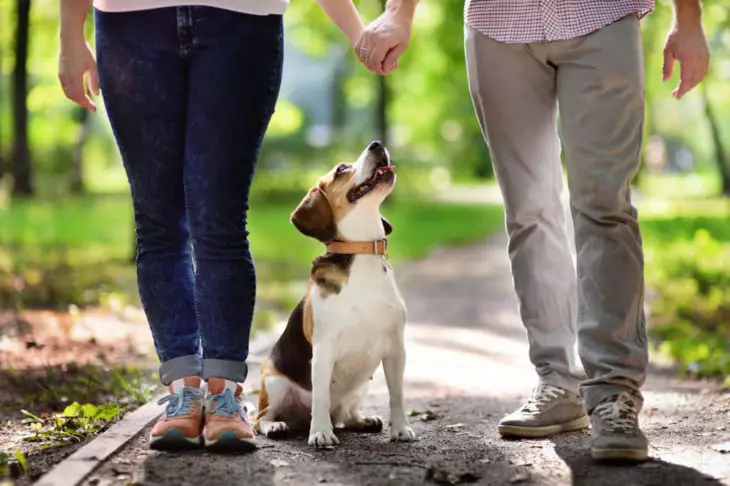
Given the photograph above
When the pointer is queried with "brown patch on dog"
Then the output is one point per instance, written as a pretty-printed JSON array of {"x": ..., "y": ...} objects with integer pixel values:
[
  {"x": 313, "y": 217},
  {"x": 267, "y": 369},
  {"x": 331, "y": 272},
  {"x": 308, "y": 324},
  {"x": 292, "y": 353},
  {"x": 325, "y": 204}
]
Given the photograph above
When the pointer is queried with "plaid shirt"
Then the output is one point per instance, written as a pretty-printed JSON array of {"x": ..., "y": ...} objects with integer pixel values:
[{"x": 526, "y": 21}]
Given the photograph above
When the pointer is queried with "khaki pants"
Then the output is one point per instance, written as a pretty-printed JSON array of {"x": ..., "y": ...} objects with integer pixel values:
[{"x": 598, "y": 83}]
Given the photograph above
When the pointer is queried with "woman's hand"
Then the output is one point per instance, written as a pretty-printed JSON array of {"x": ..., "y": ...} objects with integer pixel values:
[{"x": 76, "y": 62}]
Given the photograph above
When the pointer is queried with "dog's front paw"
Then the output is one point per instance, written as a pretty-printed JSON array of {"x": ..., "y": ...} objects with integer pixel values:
[
  {"x": 323, "y": 438},
  {"x": 402, "y": 433},
  {"x": 276, "y": 430}
]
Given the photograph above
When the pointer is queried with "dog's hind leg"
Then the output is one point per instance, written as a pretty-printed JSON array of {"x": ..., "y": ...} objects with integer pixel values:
[
  {"x": 353, "y": 418},
  {"x": 275, "y": 392}
]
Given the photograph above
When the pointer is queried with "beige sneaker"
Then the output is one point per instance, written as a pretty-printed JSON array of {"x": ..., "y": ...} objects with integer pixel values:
[
  {"x": 615, "y": 431},
  {"x": 226, "y": 425},
  {"x": 180, "y": 424},
  {"x": 548, "y": 411}
]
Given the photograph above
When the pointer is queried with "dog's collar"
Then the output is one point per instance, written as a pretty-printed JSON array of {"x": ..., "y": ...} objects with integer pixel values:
[{"x": 377, "y": 247}]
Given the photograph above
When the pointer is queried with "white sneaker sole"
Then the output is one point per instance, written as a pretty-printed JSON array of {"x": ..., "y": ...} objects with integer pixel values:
[
  {"x": 230, "y": 442},
  {"x": 545, "y": 431},
  {"x": 174, "y": 439},
  {"x": 633, "y": 455}
]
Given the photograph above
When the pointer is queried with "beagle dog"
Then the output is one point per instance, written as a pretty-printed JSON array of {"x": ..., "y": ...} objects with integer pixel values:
[{"x": 351, "y": 319}]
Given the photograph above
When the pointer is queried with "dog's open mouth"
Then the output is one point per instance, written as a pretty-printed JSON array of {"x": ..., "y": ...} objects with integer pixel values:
[{"x": 361, "y": 190}]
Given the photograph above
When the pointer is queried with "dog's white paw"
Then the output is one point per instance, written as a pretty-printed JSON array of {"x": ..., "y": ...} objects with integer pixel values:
[
  {"x": 323, "y": 438},
  {"x": 402, "y": 433},
  {"x": 276, "y": 430}
]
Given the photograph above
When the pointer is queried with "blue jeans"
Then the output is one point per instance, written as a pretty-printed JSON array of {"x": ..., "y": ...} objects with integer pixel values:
[{"x": 189, "y": 92}]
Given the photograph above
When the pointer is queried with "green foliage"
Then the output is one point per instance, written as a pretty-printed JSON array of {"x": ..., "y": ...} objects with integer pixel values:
[
  {"x": 52, "y": 387},
  {"x": 77, "y": 252},
  {"x": 76, "y": 423},
  {"x": 688, "y": 264},
  {"x": 6, "y": 465}
]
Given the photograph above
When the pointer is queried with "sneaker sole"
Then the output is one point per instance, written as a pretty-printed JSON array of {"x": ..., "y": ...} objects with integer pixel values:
[
  {"x": 548, "y": 430},
  {"x": 174, "y": 439},
  {"x": 229, "y": 442},
  {"x": 632, "y": 455}
]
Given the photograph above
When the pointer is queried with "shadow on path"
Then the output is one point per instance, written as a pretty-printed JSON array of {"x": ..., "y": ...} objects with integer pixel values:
[
  {"x": 458, "y": 445},
  {"x": 573, "y": 450}
]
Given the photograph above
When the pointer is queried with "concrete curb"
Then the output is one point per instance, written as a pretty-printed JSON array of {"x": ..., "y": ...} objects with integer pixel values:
[{"x": 77, "y": 467}]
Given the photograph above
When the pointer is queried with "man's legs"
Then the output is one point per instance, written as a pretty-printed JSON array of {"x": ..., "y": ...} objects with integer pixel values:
[
  {"x": 600, "y": 85},
  {"x": 513, "y": 90}
]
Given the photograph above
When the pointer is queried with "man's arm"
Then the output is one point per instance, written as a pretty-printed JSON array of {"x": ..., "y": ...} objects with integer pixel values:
[
  {"x": 686, "y": 43},
  {"x": 387, "y": 37}
]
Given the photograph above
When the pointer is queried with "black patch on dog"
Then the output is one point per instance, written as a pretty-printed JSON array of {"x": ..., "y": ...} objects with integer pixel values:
[{"x": 292, "y": 353}]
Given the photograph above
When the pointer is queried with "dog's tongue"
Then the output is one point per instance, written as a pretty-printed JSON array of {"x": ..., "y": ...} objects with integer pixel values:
[{"x": 386, "y": 168}]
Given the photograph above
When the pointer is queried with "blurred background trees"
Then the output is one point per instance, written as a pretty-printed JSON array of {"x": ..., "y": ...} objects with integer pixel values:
[{"x": 66, "y": 229}]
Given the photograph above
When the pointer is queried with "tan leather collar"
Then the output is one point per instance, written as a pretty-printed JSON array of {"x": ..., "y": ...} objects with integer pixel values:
[{"x": 377, "y": 247}]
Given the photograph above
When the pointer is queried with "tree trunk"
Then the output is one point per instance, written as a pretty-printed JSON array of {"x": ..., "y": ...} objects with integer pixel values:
[
  {"x": 339, "y": 101},
  {"x": 76, "y": 175},
  {"x": 2, "y": 101},
  {"x": 20, "y": 159},
  {"x": 720, "y": 155}
]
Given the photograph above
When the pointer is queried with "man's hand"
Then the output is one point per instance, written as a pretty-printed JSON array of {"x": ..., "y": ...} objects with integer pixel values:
[
  {"x": 686, "y": 43},
  {"x": 385, "y": 39}
]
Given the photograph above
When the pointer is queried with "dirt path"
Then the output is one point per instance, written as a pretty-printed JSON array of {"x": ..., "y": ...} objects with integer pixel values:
[{"x": 467, "y": 364}]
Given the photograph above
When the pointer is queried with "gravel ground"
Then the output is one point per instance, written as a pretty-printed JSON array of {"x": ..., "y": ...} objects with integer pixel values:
[{"x": 467, "y": 367}]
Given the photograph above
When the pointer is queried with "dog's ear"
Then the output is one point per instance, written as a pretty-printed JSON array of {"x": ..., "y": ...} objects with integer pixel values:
[
  {"x": 386, "y": 224},
  {"x": 314, "y": 218}
]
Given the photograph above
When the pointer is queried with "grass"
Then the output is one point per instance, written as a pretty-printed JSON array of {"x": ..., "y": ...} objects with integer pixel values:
[
  {"x": 77, "y": 252},
  {"x": 686, "y": 236},
  {"x": 43, "y": 410},
  {"x": 77, "y": 423}
]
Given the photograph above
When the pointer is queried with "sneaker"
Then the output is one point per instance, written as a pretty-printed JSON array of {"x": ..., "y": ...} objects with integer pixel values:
[
  {"x": 615, "y": 431},
  {"x": 180, "y": 423},
  {"x": 548, "y": 411},
  {"x": 226, "y": 425}
]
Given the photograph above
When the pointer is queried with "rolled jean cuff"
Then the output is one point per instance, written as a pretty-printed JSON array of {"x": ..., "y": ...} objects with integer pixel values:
[
  {"x": 180, "y": 367},
  {"x": 227, "y": 369}
]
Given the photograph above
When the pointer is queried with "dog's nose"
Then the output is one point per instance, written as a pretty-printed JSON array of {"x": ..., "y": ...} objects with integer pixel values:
[{"x": 375, "y": 146}]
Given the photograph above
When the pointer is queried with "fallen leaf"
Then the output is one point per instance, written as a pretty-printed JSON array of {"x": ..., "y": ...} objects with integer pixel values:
[
  {"x": 427, "y": 416},
  {"x": 278, "y": 463},
  {"x": 521, "y": 477},
  {"x": 484, "y": 461},
  {"x": 454, "y": 426}
]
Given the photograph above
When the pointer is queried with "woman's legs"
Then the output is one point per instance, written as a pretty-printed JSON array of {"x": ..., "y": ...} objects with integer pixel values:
[
  {"x": 144, "y": 82},
  {"x": 235, "y": 74}
]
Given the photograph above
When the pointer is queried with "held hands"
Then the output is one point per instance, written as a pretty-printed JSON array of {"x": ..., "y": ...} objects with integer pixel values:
[
  {"x": 384, "y": 40},
  {"x": 686, "y": 43},
  {"x": 76, "y": 61}
]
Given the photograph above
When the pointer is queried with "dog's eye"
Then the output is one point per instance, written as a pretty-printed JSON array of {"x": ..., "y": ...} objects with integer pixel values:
[{"x": 341, "y": 169}]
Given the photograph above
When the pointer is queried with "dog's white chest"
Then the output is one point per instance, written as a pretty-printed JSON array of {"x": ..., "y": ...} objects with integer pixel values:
[{"x": 362, "y": 322}]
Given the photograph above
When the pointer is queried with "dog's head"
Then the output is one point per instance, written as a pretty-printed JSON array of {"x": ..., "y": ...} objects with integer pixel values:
[{"x": 345, "y": 203}]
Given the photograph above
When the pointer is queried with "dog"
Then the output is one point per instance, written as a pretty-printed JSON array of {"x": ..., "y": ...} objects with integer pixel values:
[{"x": 351, "y": 319}]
